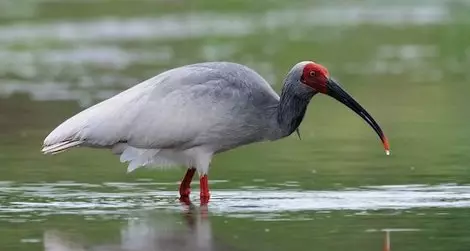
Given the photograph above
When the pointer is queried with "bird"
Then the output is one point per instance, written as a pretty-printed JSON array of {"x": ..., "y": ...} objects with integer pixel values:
[{"x": 186, "y": 115}]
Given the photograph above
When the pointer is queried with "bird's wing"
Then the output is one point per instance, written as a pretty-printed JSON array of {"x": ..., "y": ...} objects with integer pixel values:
[
  {"x": 168, "y": 111},
  {"x": 103, "y": 124}
]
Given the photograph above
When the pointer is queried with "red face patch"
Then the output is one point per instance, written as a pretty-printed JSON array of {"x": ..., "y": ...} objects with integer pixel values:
[{"x": 316, "y": 76}]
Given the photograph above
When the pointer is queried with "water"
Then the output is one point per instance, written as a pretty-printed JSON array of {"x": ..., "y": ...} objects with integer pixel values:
[
  {"x": 149, "y": 215},
  {"x": 256, "y": 202},
  {"x": 335, "y": 189}
]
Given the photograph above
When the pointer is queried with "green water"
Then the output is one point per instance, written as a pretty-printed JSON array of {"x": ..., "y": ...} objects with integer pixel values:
[{"x": 405, "y": 62}]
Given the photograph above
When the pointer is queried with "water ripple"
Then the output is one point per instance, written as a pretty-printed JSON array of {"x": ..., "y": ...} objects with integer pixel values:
[{"x": 88, "y": 199}]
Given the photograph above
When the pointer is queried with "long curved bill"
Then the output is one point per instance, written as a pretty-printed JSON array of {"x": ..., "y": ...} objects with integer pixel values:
[{"x": 335, "y": 91}]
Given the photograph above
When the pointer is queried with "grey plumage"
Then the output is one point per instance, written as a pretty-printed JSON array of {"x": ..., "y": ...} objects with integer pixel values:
[{"x": 186, "y": 115}]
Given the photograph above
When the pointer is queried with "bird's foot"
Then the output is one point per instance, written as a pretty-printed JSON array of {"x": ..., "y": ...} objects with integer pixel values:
[
  {"x": 184, "y": 195},
  {"x": 185, "y": 186},
  {"x": 185, "y": 200},
  {"x": 204, "y": 183},
  {"x": 205, "y": 198},
  {"x": 185, "y": 191}
]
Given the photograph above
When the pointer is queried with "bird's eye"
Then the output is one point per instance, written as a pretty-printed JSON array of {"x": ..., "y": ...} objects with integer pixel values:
[{"x": 313, "y": 74}]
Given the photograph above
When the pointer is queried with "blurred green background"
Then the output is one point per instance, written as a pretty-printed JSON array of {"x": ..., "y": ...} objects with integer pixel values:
[{"x": 406, "y": 62}]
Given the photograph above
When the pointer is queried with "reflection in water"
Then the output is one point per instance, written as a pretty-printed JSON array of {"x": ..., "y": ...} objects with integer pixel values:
[
  {"x": 387, "y": 235},
  {"x": 161, "y": 230},
  {"x": 387, "y": 241},
  {"x": 97, "y": 200},
  {"x": 149, "y": 232}
]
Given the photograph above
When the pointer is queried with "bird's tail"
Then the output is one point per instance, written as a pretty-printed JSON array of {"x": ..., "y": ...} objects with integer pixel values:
[{"x": 60, "y": 147}]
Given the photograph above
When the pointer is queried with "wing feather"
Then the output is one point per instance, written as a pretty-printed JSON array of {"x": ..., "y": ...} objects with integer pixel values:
[{"x": 170, "y": 110}]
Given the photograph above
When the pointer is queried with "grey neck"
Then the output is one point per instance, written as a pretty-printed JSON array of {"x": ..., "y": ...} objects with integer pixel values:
[{"x": 295, "y": 98}]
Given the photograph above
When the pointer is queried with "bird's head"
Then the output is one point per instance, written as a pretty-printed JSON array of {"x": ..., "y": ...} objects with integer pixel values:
[{"x": 316, "y": 78}]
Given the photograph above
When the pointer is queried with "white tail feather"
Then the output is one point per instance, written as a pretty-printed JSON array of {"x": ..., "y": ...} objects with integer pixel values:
[
  {"x": 60, "y": 147},
  {"x": 137, "y": 157},
  {"x": 142, "y": 157}
]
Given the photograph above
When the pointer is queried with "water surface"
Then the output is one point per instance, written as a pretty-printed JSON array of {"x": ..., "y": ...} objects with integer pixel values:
[{"x": 407, "y": 62}]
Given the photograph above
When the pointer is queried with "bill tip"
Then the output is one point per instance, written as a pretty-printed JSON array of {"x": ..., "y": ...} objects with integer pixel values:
[{"x": 386, "y": 145}]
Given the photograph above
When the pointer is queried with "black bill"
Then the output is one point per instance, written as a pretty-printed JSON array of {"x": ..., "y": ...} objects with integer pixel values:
[{"x": 334, "y": 90}]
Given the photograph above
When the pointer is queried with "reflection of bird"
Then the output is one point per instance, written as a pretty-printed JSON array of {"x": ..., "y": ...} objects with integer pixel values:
[
  {"x": 188, "y": 114},
  {"x": 387, "y": 241},
  {"x": 151, "y": 234}
]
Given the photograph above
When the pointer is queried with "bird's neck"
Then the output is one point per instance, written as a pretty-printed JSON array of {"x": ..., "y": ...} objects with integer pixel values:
[{"x": 292, "y": 107}]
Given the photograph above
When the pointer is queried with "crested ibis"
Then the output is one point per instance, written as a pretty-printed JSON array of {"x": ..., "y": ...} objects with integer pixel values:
[{"x": 186, "y": 115}]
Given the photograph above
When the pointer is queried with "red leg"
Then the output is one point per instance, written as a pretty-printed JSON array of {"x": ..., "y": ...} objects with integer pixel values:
[
  {"x": 185, "y": 186},
  {"x": 204, "y": 183}
]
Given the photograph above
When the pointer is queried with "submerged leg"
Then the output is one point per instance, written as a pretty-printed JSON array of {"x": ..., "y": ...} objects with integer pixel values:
[
  {"x": 185, "y": 186},
  {"x": 204, "y": 184}
]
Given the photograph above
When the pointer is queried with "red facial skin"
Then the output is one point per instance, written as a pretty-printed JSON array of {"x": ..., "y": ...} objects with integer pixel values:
[{"x": 315, "y": 76}]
